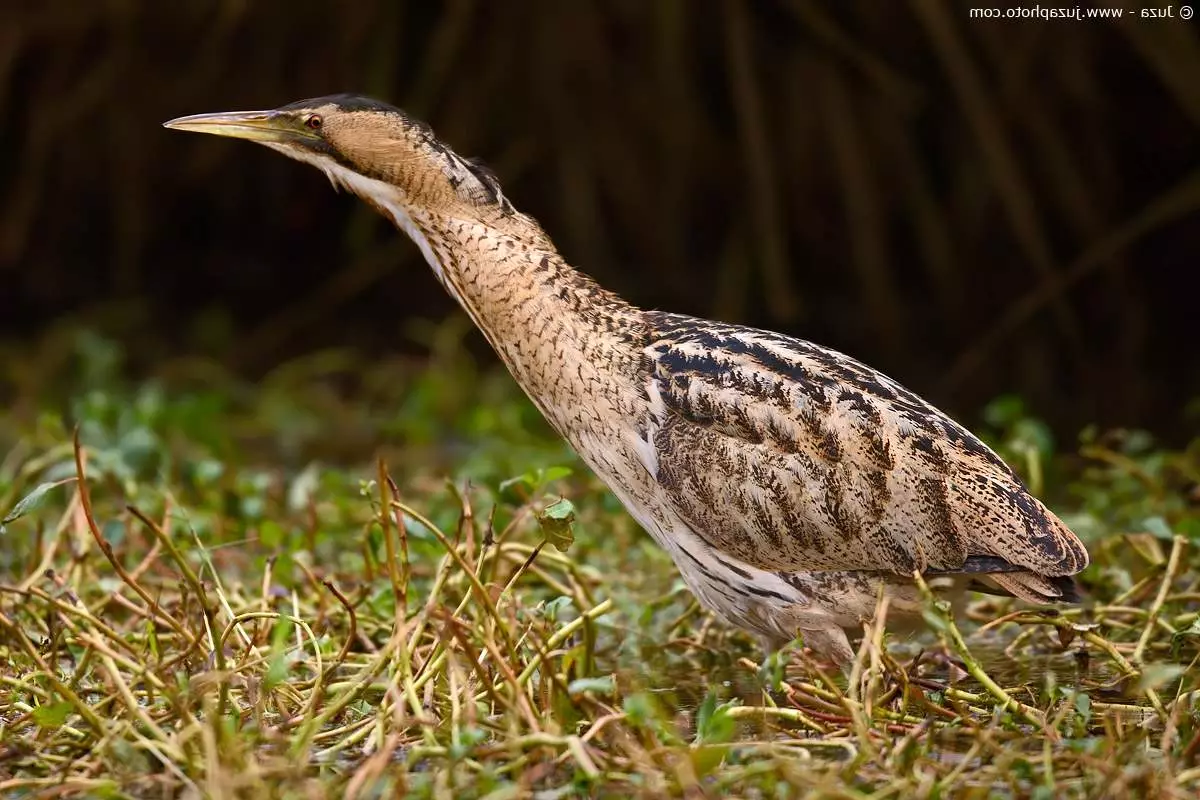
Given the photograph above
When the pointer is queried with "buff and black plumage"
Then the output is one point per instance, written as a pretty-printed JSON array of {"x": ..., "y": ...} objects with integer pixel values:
[{"x": 788, "y": 481}]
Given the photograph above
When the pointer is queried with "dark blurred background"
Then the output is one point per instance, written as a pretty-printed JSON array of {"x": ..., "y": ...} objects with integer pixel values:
[{"x": 976, "y": 207}]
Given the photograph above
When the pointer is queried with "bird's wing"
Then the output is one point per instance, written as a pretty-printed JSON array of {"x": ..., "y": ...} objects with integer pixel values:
[{"x": 790, "y": 456}]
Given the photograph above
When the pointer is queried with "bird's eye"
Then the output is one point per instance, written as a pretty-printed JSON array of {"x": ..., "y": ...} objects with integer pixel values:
[{"x": 313, "y": 121}]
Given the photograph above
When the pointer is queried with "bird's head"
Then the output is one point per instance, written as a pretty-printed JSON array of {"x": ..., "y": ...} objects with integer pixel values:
[{"x": 372, "y": 149}]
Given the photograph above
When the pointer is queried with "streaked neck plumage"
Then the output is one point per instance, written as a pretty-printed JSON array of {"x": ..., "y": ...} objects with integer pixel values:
[{"x": 555, "y": 328}]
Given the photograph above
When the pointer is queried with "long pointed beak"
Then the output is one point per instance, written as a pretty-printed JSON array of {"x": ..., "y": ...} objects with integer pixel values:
[{"x": 257, "y": 126}]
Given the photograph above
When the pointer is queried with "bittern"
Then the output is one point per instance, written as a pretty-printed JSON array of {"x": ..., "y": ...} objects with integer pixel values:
[{"x": 790, "y": 483}]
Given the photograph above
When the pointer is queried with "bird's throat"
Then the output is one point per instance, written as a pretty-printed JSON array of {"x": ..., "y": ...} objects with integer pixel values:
[{"x": 566, "y": 340}]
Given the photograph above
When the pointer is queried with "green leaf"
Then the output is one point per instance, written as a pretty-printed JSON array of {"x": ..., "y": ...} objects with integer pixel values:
[
  {"x": 1158, "y": 528},
  {"x": 706, "y": 759},
  {"x": 114, "y": 532},
  {"x": 641, "y": 709},
  {"x": 554, "y": 608},
  {"x": 557, "y": 522},
  {"x": 1033, "y": 433},
  {"x": 31, "y": 501},
  {"x": 532, "y": 482},
  {"x": 207, "y": 471},
  {"x": 278, "y": 669},
  {"x": 1189, "y": 527},
  {"x": 713, "y": 723},
  {"x": 1083, "y": 706},
  {"x": 771, "y": 671},
  {"x": 1004, "y": 410},
  {"x": 52, "y": 716},
  {"x": 527, "y": 480},
  {"x": 152, "y": 641},
  {"x": 561, "y": 509},
  {"x": 554, "y": 474},
  {"x": 279, "y": 665},
  {"x": 270, "y": 534}
]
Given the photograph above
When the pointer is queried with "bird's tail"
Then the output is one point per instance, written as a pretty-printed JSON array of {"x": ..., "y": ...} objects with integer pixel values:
[
  {"x": 1036, "y": 588},
  {"x": 998, "y": 576}
]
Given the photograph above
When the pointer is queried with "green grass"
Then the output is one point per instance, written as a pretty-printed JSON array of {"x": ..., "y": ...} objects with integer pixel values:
[{"x": 233, "y": 590}]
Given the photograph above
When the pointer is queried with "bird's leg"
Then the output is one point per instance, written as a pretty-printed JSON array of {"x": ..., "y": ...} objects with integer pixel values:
[{"x": 827, "y": 645}]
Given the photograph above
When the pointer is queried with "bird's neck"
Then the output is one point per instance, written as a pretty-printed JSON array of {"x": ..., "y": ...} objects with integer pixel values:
[{"x": 563, "y": 336}]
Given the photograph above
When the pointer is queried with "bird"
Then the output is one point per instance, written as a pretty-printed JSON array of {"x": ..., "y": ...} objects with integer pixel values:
[{"x": 790, "y": 484}]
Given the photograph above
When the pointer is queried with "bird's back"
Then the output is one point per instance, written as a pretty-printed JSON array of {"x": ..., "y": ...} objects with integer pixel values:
[{"x": 791, "y": 456}]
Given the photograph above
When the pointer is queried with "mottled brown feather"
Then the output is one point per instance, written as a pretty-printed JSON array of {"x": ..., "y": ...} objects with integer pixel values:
[
  {"x": 861, "y": 473},
  {"x": 789, "y": 483}
]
